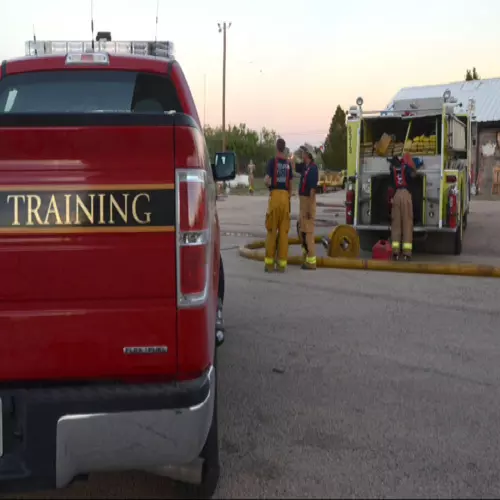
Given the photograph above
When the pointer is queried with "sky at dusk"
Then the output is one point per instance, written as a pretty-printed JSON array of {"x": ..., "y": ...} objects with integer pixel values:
[{"x": 289, "y": 62}]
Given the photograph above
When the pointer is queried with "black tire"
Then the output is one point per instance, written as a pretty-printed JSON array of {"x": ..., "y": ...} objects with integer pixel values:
[
  {"x": 459, "y": 238},
  {"x": 222, "y": 281},
  {"x": 210, "y": 453}
]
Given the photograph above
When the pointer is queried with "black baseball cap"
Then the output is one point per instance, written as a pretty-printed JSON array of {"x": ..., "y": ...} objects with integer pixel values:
[{"x": 305, "y": 150}]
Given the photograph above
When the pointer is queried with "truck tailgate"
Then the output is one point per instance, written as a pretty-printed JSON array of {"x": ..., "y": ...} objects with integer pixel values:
[{"x": 87, "y": 252}]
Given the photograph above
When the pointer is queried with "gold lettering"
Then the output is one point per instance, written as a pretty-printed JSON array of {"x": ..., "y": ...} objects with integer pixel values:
[
  {"x": 33, "y": 211},
  {"x": 134, "y": 209},
  {"x": 52, "y": 210},
  {"x": 68, "y": 209},
  {"x": 101, "y": 208},
  {"x": 16, "y": 198},
  {"x": 88, "y": 213},
  {"x": 114, "y": 203}
]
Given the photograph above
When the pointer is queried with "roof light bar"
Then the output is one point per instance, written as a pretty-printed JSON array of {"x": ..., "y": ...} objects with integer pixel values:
[{"x": 162, "y": 49}]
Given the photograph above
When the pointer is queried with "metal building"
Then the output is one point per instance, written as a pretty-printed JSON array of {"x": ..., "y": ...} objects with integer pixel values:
[{"x": 485, "y": 127}]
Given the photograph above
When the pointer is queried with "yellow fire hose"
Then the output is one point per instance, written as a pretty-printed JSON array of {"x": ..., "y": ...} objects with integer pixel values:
[{"x": 344, "y": 248}]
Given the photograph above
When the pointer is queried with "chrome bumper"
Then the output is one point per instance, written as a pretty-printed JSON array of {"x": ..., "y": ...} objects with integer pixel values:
[{"x": 139, "y": 440}]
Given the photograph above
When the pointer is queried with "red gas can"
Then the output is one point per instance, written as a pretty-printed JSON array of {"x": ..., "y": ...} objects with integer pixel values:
[{"x": 382, "y": 250}]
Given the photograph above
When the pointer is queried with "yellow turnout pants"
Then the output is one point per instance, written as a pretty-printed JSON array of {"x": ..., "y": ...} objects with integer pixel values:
[
  {"x": 402, "y": 222},
  {"x": 307, "y": 219},
  {"x": 277, "y": 225}
]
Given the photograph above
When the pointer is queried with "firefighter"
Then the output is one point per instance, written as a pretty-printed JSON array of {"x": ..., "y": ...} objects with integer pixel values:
[
  {"x": 251, "y": 172},
  {"x": 278, "y": 178},
  {"x": 403, "y": 172},
  {"x": 309, "y": 177}
]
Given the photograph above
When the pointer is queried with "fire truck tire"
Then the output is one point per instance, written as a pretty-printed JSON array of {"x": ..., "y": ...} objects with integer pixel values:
[
  {"x": 459, "y": 237},
  {"x": 210, "y": 454}
]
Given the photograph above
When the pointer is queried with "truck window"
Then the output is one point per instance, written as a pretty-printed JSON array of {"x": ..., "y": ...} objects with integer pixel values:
[{"x": 82, "y": 91}]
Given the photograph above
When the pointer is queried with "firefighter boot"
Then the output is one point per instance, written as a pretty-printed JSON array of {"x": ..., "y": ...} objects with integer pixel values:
[
  {"x": 305, "y": 250},
  {"x": 309, "y": 264}
]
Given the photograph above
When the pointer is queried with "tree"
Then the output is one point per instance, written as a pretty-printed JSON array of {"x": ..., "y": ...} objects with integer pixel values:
[
  {"x": 471, "y": 75},
  {"x": 248, "y": 145},
  {"x": 335, "y": 153}
]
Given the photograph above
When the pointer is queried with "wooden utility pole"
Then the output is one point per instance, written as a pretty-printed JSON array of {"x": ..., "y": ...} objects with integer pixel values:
[{"x": 223, "y": 28}]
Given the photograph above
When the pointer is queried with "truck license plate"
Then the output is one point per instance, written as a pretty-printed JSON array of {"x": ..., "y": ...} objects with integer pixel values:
[{"x": 1, "y": 428}]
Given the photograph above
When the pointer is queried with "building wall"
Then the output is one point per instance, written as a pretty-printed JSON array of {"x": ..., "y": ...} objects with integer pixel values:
[{"x": 488, "y": 158}]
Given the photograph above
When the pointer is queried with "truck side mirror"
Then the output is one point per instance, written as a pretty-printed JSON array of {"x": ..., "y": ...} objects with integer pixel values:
[{"x": 224, "y": 168}]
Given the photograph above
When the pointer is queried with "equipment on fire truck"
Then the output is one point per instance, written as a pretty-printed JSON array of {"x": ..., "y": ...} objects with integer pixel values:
[{"x": 382, "y": 146}]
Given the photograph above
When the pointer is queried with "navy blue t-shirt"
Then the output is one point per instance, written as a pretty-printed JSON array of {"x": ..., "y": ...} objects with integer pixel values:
[
  {"x": 280, "y": 172},
  {"x": 402, "y": 177},
  {"x": 309, "y": 177}
]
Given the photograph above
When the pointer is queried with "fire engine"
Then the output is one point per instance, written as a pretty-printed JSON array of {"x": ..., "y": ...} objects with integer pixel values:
[{"x": 438, "y": 131}]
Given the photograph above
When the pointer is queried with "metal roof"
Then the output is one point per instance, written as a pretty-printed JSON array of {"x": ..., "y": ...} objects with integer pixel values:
[{"x": 485, "y": 92}]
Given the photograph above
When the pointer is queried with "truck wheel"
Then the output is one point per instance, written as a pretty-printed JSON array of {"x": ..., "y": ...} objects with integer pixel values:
[
  {"x": 459, "y": 237},
  {"x": 210, "y": 454},
  {"x": 222, "y": 281}
]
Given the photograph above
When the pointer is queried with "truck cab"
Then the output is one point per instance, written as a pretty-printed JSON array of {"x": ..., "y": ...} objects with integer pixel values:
[
  {"x": 439, "y": 135},
  {"x": 112, "y": 273}
]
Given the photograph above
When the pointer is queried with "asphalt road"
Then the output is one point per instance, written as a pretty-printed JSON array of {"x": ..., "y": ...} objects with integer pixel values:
[{"x": 349, "y": 384}]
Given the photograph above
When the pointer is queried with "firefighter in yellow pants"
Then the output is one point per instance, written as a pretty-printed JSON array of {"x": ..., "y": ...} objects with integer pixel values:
[
  {"x": 309, "y": 177},
  {"x": 278, "y": 178},
  {"x": 403, "y": 172}
]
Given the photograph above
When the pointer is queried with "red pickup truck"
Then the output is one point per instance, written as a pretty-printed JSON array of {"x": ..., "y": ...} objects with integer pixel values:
[{"x": 111, "y": 270}]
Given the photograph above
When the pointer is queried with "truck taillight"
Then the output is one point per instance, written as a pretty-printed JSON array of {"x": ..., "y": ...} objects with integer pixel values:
[
  {"x": 193, "y": 236},
  {"x": 349, "y": 204}
]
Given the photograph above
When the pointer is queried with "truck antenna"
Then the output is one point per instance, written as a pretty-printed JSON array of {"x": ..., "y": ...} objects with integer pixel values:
[
  {"x": 92, "y": 22},
  {"x": 34, "y": 40},
  {"x": 157, "y": 13}
]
